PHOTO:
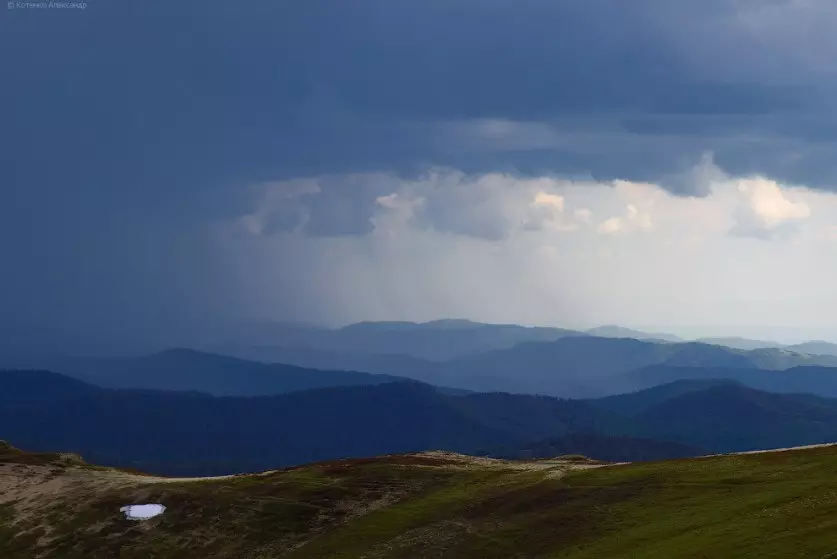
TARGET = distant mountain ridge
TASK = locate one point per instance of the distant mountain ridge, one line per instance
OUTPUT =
(736, 342)
(465, 337)
(593, 366)
(816, 347)
(813, 347)
(613, 331)
(436, 340)
(451, 353)
(585, 366)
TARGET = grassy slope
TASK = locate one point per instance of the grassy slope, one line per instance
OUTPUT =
(781, 504)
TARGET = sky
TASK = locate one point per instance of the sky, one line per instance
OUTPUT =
(647, 163)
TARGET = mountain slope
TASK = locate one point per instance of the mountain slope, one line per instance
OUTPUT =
(585, 366)
(821, 381)
(577, 367)
(816, 347)
(20, 389)
(612, 331)
(192, 433)
(745, 344)
(731, 417)
(813, 347)
(780, 359)
(439, 340)
(569, 367)
(720, 415)
(776, 505)
(401, 365)
(220, 375)
(632, 403)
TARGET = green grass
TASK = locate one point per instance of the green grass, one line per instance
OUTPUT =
(775, 505)
(765, 505)
(12, 455)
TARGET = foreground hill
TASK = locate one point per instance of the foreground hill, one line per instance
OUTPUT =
(772, 505)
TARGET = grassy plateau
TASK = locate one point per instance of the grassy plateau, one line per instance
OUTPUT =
(772, 504)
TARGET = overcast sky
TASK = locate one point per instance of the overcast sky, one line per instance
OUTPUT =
(571, 163)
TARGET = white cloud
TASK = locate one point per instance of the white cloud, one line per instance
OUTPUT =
(583, 215)
(830, 233)
(551, 200)
(501, 248)
(609, 226)
(634, 220)
(399, 212)
(767, 210)
(391, 201)
(491, 206)
(400, 203)
(770, 204)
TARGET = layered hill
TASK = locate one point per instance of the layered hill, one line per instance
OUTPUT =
(777, 505)
(183, 433)
(613, 331)
(220, 375)
(571, 366)
(737, 342)
(436, 340)
(821, 381)
(452, 353)
(193, 433)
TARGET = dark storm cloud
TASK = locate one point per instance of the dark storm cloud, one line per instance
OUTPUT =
(126, 127)
(272, 90)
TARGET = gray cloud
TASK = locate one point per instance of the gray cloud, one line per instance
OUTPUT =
(129, 128)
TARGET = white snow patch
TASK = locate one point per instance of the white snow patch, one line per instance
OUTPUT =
(142, 512)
